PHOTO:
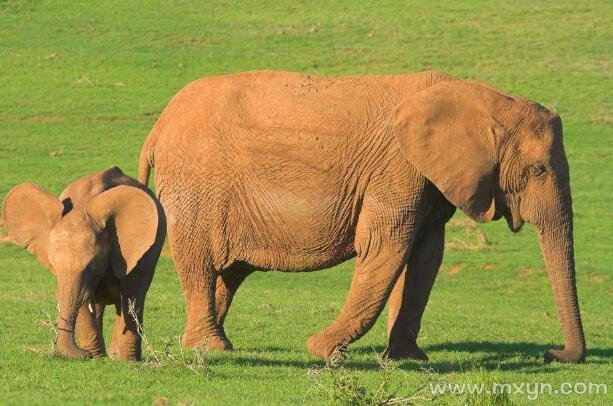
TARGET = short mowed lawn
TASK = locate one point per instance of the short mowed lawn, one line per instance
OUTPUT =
(82, 83)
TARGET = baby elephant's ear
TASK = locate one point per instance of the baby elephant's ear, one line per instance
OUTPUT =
(131, 217)
(28, 214)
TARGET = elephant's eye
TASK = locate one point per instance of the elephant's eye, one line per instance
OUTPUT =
(536, 170)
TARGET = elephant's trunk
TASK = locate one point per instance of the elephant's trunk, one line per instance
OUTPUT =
(69, 297)
(556, 239)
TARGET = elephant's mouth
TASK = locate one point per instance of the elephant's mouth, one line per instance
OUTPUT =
(511, 214)
(514, 219)
(515, 223)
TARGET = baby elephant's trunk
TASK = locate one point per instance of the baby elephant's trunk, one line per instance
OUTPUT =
(69, 296)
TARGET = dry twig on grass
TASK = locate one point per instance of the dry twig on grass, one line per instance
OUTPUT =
(197, 363)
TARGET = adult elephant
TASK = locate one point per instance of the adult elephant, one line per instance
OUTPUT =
(292, 172)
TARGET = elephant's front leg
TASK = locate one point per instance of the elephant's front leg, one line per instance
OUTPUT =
(126, 341)
(410, 295)
(376, 272)
(89, 329)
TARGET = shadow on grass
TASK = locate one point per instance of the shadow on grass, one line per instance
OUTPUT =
(510, 348)
(489, 356)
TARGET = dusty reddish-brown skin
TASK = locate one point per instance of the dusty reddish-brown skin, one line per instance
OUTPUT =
(293, 172)
(101, 239)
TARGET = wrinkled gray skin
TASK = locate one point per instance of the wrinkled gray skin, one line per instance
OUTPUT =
(276, 170)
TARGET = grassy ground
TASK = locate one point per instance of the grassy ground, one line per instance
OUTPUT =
(81, 85)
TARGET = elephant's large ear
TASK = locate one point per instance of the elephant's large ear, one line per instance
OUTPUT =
(131, 217)
(28, 214)
(448, 133)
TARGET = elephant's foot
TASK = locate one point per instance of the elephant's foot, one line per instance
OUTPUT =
(209, 343)
(329, 347)
(129, 352)
(95, 351)
(405, 351)
(66, 347)
(577, 356)
(72, 351)
(95, 347)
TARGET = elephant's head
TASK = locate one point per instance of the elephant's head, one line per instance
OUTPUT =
(492, 155)
(79, 243)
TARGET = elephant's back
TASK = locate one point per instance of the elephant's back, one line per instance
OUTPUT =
(265, 127)
(253, 115)
(281, 107)
(253, 102)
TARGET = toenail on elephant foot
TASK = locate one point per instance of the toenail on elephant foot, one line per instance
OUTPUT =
(411, 351)
(326, 347)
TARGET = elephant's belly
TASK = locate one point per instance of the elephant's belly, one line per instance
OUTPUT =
(284, 232)
(297, 261)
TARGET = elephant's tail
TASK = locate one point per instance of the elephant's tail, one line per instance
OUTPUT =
(145, 163)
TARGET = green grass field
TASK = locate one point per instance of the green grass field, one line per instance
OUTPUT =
(82, 84)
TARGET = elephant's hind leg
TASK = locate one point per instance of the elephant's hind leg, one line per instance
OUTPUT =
(195, 266)
(201, 328)
(198, 278)
(228, 283)
(411, 293)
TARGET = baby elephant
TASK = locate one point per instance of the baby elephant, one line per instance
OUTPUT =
(101, 239)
